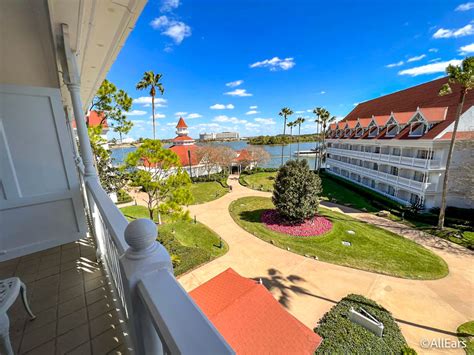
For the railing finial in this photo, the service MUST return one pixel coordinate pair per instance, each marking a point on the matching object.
(140, 235)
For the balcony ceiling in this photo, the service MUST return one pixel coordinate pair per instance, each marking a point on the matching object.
(30, 34)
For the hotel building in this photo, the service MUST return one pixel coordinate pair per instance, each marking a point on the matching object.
(397, 145)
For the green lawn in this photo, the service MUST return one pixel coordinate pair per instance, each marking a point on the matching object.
(259, 181)
(373, 249)
(332, 190)
(194, 244)
(466, 333)
(207, 191)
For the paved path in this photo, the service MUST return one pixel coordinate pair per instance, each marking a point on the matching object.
(309, 288)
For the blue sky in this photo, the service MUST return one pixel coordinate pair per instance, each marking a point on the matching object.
(232, 65)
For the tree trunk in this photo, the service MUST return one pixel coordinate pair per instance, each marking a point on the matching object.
(153, 114)
(150, 212)
(442, 209)
(298, 139)
(291, 140)
(283, 142)
(159, 218)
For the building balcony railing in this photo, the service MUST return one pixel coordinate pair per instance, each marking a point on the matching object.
(162, 318)
(396, 159)
(384, 176)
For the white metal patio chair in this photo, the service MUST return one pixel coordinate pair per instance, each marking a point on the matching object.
(9, 291)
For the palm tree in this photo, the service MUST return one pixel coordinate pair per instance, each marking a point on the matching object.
(320, 114)
(291, 125)
(464, 76)
(299, 122)
(285, 112)
(152, 81)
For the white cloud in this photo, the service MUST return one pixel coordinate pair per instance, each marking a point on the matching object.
(238, 92)
(146, 101)
(158, 115)
(194, 115)
(322, 92)
(180, 113)
(171, 124)
(251, 125)
(135, 113)
(233, 84)
(265, 121)
(169, 5)
(176, 30)
(251, 112)
(460, 32)
(275, 64)
(309, 110)
(416, 58)
(465, 7)
(224, 118)
(253, 107)
(433, 50)
(221, 107)
(469, 48)
(429, 68)
(434, 60)
(300, 111)
(395, 64)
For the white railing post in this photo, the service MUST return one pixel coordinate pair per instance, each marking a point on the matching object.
(144, 255)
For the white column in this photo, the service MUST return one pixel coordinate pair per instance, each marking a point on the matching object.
(81, 128)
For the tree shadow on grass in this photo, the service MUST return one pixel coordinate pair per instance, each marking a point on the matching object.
(254, 216)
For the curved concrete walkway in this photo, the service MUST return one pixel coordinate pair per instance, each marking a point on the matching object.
(309, 288)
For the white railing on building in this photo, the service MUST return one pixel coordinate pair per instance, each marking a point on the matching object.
(162, 318)
(396, 159)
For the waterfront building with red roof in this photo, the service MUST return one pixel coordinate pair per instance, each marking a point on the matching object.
(250, 319)
(397, 145)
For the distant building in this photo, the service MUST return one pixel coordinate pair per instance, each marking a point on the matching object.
(93, 119)
(250, 319)
(398, 145)
(219, 136)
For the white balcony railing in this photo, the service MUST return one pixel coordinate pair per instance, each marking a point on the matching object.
(417, 186)
(162, 318)
(396, 159)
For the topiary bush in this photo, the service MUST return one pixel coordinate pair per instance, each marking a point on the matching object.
(296, 191)
(342, 336)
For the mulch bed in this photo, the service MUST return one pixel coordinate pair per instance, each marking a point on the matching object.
(315, 226)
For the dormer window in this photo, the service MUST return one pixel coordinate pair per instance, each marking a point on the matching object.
(374, 131)
(418, 126)
(359, 132)
(392, 130)
(347, 132)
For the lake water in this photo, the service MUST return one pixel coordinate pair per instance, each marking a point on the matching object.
(273, 150)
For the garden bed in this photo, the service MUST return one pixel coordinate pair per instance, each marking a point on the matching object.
(342, 336)
(316, 226)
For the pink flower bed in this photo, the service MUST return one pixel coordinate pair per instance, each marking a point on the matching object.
(314, 226)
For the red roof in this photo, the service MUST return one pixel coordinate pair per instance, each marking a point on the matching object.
(460, 135)
(243, 155)
(182, 138)
(423, 96)
(182, 153)
(403, 117)
(364, 122)
(250, 319)
(381, 120)
(93, 119)
(434, 114)
(181, 123)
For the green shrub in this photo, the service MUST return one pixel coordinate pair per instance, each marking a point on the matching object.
(221, 178)
(342, 336)
(123, 196)
(296, 191)
(258, 170)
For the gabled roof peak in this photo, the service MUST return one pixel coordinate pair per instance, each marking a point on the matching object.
(181, 123)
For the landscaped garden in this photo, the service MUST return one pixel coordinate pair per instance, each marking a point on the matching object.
(190, 244)
(337, 190)
(372, 248)
(207, 191)
(342, 336)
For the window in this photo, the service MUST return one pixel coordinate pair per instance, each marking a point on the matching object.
(374, 131)
(415, 199)
(359, 132)
(424, 154)
(419, 176)
(391, 190)
(377, 150)
(394, 170)
(392, 130)
(375, 166)
(417, 129)
(396, 151)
